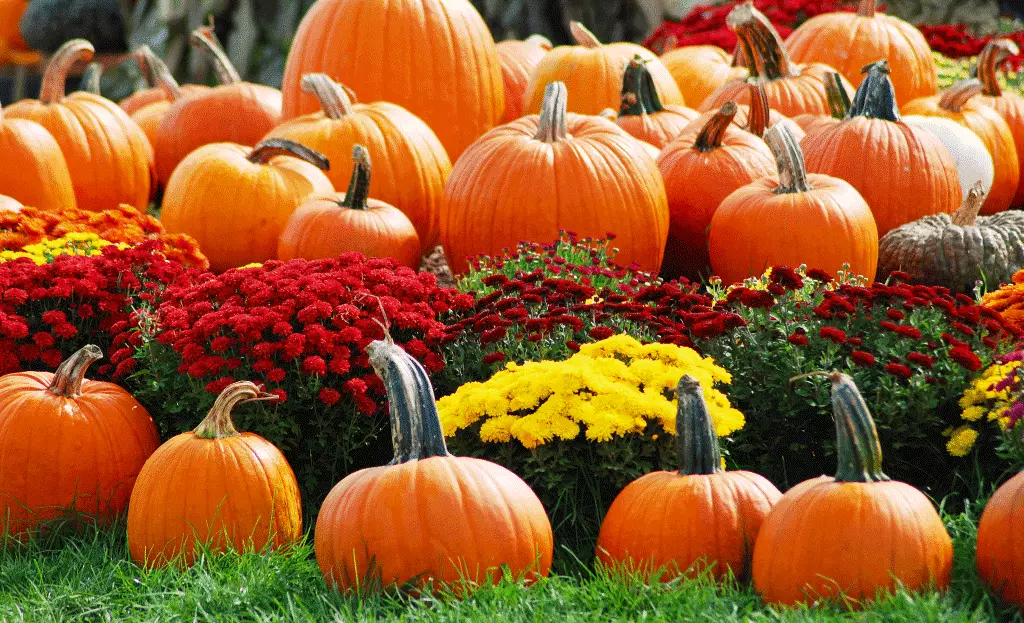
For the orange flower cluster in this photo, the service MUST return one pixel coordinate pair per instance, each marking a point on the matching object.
(121, 224)
(1009, 301)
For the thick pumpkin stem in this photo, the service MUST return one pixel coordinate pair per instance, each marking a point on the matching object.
(695, 431)
(205, 39)
(539, 40)
(760, 110)
(995, 54)
(789, 159)
(265, 150)
(70, 374)
(90, 82)
(867, 8)
(56, 75)
(956, 97)
(875, 97)
(838, 99)
(333, 97)
(583, 36)
(639, 95)
(156, 72)
(143, 56)
(711, 135)
(359, 186)
(763, 50)
(857, 447)
(415, 425)
(967, 214)
(552, 124)
(739, 58)
(217, 424)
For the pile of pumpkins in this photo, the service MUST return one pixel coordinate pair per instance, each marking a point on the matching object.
(428, 518)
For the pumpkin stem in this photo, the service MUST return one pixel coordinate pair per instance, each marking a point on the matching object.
(539, 40)
(56, 75)
(695, 431)
(265, 150)
(217, 424)
(875, 97)
(857, 447)
(90, 82)
(760, 110)
(838, 99)
(639, 96)
(334, 98)
(359, 186)
(156, 72)
(739, 57)
(205, 39)
(415, 425)
(711, 134)
(967, 214)
(955, 97)
(995, 54)
(789, 159)
(142, 56)
(867, 8)
(583, 36)
(551, 127)
(70, 374)
(763, 50)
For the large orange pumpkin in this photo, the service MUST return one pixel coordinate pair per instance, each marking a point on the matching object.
(700, 69)
(32, 166)
(232, 112)
(1008, 104)
(518, 58)
(693, 520)
(902, 171)
(959, 103)
(849, 41)
(157, 75)
(396, 140)
(236, 200)
(150, 115)
(793, 219)
(214, 487)
(329, 225)
(593, 72)
(427, 516)
(642, 114)
(1000, 551)
(435, 58)
(792, 88)
(107, 154)
(854, 535)
(531, 178)
(68, 444)
(701, 168)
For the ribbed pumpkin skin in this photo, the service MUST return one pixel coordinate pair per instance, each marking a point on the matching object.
(234, 208)
(971, 157)
(1010, 107)
(1000, 552)
(32, 167)
(803, 93)
(436, 58)
(660, 128)
(700, 69)
(518, 59)
(420, 517)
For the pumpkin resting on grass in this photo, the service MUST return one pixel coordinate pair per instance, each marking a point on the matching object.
(1000, 552)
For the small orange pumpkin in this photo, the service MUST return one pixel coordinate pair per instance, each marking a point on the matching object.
(32, 166)
(1000, 552)
(518, 58)
(149, 116)
(700, 69)
(642, 114)
(68, 444)
(1008, 104)
(156, 73)
(329, 225)
(215, 487)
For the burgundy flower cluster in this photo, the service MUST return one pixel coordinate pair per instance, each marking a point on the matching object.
(49, 311)
(956, 41)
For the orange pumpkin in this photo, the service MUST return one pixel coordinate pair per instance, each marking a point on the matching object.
(151, 115)
(12, 45)
(327, 226)
(531, 178)
(1000, 552)
(460, 519)
(859, 533)
(518, 58)
(435, 58)
(593, 72)
(849, 41)
(902, 171)
(68, 445)
(10, 204)
(698, 519)
(792, 219)
(700, 69)
(214, 487)
(32, 167)
(792, 89)
(232, 112)
(1008, 104)
(642, 114)
(396, 140)
(958, 103)
(156, 74)
(107, 154)
(701, 168)
(235, 200)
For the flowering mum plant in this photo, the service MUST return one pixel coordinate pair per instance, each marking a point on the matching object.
(995, 397)
(1008, 301)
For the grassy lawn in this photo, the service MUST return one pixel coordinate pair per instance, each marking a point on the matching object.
(90, 578)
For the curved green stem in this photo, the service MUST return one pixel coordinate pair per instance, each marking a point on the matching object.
(359, 186)
(217, 424)
(70, 374)
(639, 95)
(875, 97)
(695, 431)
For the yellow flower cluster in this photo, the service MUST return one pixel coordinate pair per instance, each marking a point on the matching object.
(74, 243)
(979, 402)
(610, 388)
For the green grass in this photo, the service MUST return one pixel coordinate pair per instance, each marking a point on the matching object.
(90, 578)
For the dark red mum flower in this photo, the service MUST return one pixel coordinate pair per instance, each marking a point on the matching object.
(965, 357)
(898, 369)
(797, 339)
(920, 359)
(831, 333)
(862, 358)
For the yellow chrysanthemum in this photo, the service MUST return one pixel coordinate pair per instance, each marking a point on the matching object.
(961, 441)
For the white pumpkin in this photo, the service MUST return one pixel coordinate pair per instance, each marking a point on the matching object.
(973, 160)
